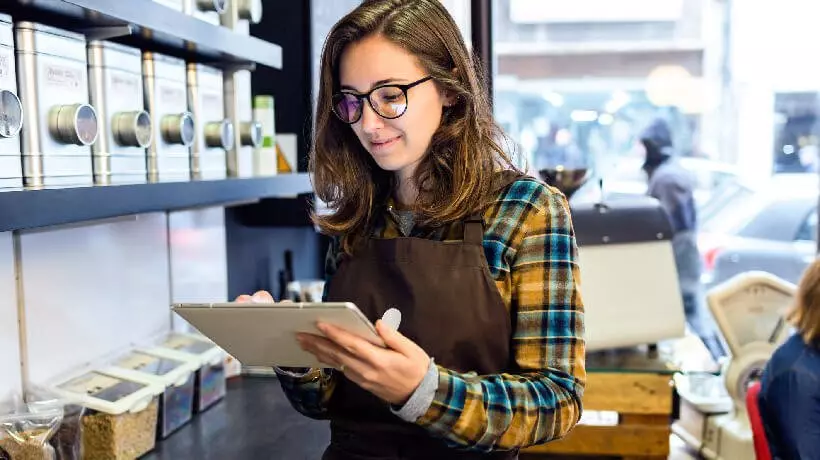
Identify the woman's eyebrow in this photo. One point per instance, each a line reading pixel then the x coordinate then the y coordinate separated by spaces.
pixel 375 84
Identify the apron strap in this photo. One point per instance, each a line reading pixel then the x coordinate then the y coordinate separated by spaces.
pixel 474 229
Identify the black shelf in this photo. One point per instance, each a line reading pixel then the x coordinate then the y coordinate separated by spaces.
pixel 26 209
pixel 151 25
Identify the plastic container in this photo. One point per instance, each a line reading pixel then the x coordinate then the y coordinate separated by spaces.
pixel 176 406
pixel 121 418
pixel 210 376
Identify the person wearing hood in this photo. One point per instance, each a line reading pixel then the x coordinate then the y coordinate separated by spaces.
pixel 673 186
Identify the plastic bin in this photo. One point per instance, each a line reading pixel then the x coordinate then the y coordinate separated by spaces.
pixel 176 406
pixel 121 420
pixel 210 377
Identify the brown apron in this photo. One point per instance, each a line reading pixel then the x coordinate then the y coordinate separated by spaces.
pixel 450 306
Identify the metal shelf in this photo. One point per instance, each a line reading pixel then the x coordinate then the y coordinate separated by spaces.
pixel 148 24
pixel 26 209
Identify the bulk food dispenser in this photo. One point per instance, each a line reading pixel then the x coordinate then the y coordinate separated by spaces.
pixel 214 133
pixel 59 125
pixel 11 111
pixel 173 127
pixel 115 74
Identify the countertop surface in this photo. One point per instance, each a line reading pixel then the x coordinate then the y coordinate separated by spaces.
pixel 253 421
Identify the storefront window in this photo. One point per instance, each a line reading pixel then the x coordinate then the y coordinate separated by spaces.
pixel 576 82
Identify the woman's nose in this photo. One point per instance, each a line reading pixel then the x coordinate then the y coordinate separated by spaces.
pixel 371 121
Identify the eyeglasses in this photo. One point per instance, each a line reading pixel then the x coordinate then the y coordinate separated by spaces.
pixel 389 101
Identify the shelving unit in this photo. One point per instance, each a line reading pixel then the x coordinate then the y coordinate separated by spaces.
pixel 148 25
pixel 26 209
pixel 145 23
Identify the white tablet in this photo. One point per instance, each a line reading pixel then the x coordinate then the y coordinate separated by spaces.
pixel 264 334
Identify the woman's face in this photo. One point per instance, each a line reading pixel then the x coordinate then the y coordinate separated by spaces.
pixel 397 144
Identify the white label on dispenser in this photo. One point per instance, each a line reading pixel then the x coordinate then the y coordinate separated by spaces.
pixel 5 64
pixel 124 83
pixel 212 103
pixel 64 77
pixel 172 96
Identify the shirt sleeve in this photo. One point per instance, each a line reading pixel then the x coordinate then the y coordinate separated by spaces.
pixel 309 390
pixel 542 401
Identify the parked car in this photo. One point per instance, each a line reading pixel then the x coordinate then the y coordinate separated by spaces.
pixel 771 227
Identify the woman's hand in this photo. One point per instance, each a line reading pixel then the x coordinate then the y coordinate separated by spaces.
pixel 391 373
pixel 258 297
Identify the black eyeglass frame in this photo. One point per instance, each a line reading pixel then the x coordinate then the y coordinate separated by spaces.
pixel 404 88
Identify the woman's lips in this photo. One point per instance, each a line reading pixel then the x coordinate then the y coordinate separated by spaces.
pixel 382 146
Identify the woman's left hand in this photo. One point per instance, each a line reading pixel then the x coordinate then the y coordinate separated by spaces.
pixel 392 373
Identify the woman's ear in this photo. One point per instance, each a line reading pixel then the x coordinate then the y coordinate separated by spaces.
pixel 449 97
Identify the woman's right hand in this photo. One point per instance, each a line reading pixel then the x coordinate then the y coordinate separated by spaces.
pixel 257 297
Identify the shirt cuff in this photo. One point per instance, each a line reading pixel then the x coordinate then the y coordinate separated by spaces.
pixel 297 372
pixel 422 398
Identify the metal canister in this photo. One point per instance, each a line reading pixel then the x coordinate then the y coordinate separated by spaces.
pixel 177 5
pixel 215 133
pixel 239 108
pixel 206 10
pixel 238 95
pixel 173 130
pixel 115 77
pixel 11 111
pixel 59 124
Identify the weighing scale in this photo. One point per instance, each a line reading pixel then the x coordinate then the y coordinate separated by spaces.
pixel 750 311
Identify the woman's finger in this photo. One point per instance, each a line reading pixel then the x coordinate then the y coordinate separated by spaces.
pixel 262 297
pixel 351 343
pixel 332 354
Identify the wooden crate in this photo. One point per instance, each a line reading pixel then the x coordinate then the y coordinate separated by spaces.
pixel 643 402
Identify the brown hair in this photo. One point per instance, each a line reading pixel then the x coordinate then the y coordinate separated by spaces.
pixel 455 177
pixel 805 316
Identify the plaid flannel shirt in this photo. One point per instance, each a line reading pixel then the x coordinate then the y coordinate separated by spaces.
pixel 529 243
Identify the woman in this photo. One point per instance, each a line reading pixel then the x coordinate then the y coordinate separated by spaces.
pixel 431 219
pixel 790 387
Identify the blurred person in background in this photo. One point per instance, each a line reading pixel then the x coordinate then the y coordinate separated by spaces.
pixel 673 186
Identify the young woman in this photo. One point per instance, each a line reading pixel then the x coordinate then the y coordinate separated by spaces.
pixel 431 218
pixel 790 388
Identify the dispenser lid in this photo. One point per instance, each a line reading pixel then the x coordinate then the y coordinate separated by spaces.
pixel 750 308
pixel 144 366
pixel 5 18
pixel 103 392
pixel 205 351
pixel 37 27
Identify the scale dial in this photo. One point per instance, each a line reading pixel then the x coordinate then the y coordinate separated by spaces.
pixel 750 308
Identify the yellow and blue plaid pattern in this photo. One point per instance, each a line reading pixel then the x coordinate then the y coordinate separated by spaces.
pixel 530 247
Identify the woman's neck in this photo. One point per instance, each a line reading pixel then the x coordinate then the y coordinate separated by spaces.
pixel 406 191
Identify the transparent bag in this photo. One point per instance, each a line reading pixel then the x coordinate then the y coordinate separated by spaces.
pixel 25 429
pixel 67 439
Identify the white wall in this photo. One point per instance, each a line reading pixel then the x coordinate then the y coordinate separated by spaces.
pixel 199 260
pixel 10 378
pixel 92 290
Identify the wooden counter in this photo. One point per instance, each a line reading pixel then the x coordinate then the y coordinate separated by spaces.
pixel 629 402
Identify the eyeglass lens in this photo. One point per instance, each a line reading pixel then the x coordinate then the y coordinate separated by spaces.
pixel 387 101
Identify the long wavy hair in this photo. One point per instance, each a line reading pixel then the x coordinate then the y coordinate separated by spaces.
pixel 456 176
